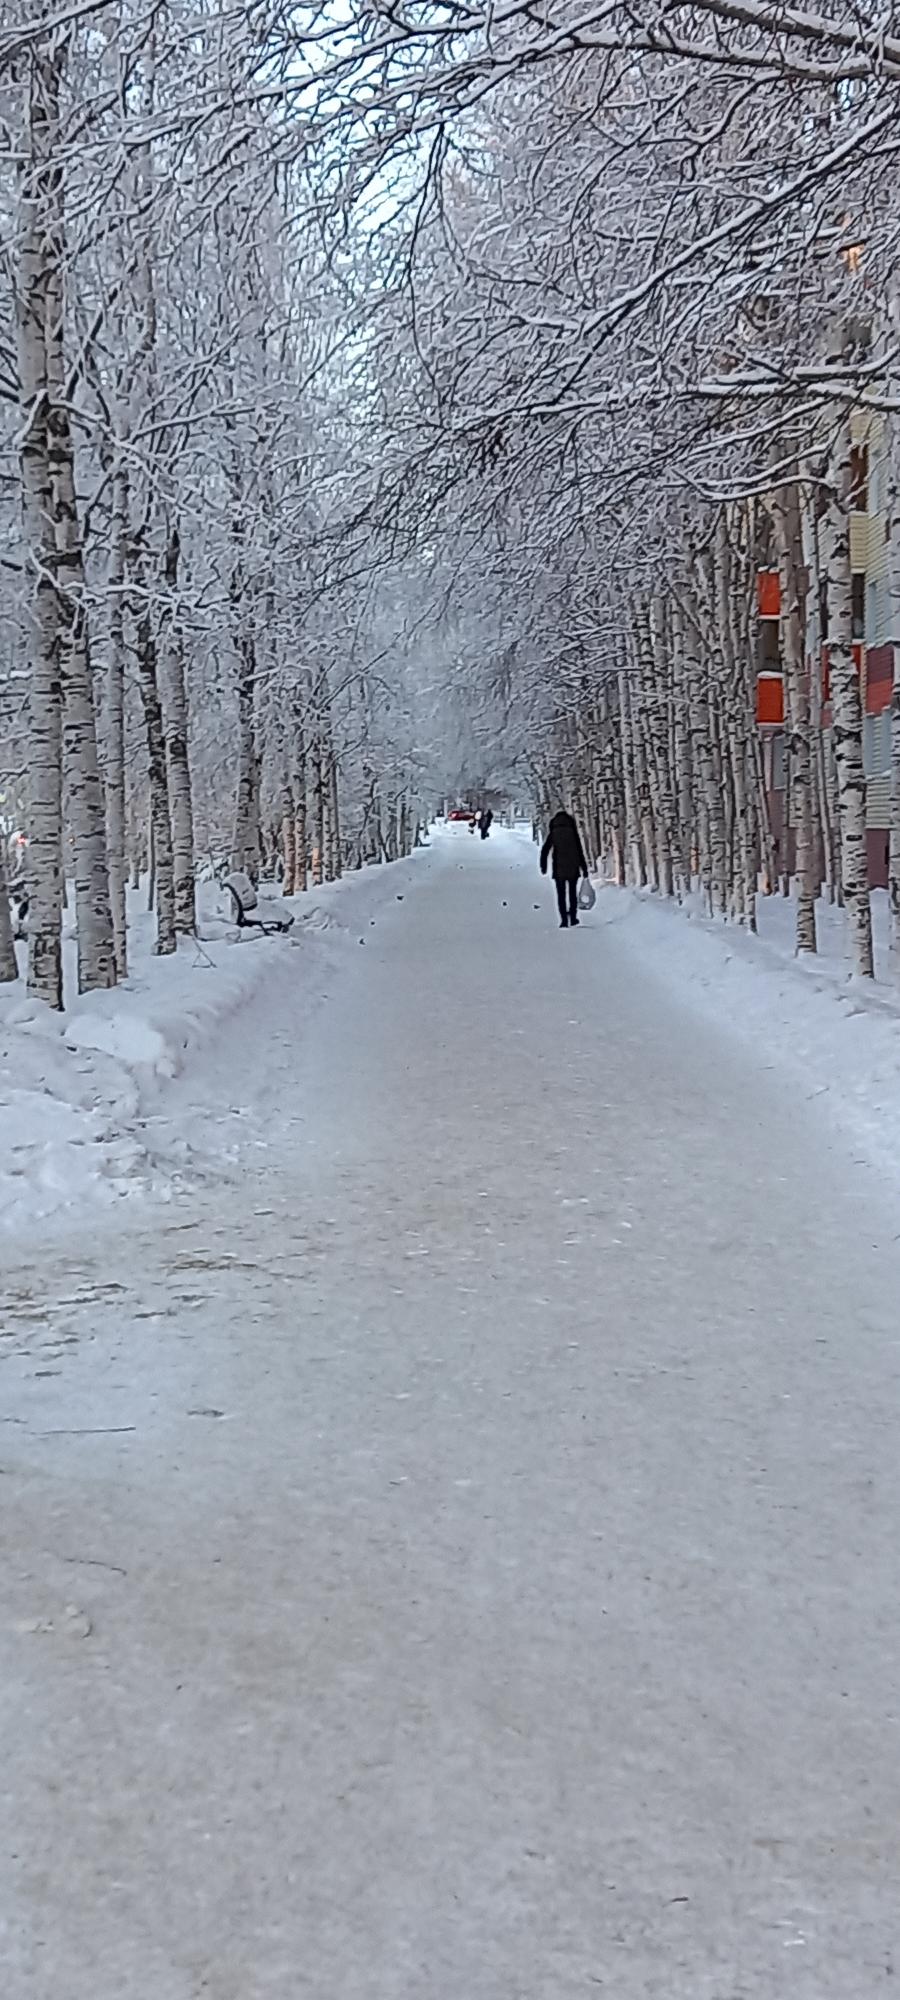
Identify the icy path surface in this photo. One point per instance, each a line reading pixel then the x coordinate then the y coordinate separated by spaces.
pixel 457 1558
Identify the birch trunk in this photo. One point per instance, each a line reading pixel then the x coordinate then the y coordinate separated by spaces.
pixel 245 845
pixel 846 705
pixel 684 776
pixel 328 861
pixel 712 846
pixel 786 521
pixel 301 834
pixel 894 864
pixel 318 859
pixel 162 863
pixel 894 586
pixel 45 689
pixel 722 673
pixel 632 833
pixel 335 797
pixel 115 720
pixel 175 724
pixel 86 799
pixel 821 744
pixel 717 813
pixel 697 702
pixel 642 786
pixel 672 872
pixel 288 838
pixel 652 726
pixel 9 968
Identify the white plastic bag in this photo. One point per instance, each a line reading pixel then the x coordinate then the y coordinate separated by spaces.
pixel 586 895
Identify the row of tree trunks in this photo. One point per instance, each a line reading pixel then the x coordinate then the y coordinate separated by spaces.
pixel 308 791
pixel 683 799
pixel 8 965
pixel 65 762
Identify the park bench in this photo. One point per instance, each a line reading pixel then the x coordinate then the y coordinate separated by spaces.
pixel 244 900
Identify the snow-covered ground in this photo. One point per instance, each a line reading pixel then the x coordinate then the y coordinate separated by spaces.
pixel 76 1089
pixel 825 1033
pixel 451 1546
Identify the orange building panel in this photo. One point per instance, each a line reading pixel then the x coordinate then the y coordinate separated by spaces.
pixel 768 593
pixel 878 697
pixel 770 698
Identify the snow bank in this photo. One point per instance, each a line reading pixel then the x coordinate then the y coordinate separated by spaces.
pixel 837 1036
pixel 72 1084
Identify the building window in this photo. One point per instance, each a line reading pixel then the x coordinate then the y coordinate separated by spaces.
pixel 768 649
pixel 874 484
pixel 877 744
pixel 871 632
pixel 858 605
pixel 871 746
pixel 859 478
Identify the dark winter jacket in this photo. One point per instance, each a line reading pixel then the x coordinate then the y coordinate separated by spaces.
pixel 563 843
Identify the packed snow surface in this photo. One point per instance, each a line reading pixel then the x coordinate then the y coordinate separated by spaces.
pixel 452 1542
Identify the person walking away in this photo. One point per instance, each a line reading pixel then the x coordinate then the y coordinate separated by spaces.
pixel 563 849
pixel 486 820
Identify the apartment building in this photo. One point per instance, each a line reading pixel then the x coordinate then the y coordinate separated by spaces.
pixel 875 616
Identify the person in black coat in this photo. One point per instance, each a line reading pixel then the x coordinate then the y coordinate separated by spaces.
pixel 563 849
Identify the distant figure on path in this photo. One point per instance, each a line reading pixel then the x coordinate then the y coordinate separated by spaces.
pixel 485 823
pixel 563 843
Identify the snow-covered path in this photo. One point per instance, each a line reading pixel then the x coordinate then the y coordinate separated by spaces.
pixel 457 1558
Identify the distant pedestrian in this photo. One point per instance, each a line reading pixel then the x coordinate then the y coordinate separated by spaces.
pixel 563 849
pixel 486 821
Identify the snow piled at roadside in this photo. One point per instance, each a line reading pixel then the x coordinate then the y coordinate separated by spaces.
pixel 72 1084
pixel 836 1036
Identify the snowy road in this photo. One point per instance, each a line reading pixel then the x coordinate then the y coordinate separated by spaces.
pixel 459 1560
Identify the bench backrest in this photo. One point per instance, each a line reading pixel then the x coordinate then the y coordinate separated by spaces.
pixel 241 888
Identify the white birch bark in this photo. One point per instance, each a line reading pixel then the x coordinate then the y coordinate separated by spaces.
pixel 45 687
pixel 288 836
pixel 632 830
pixel 744 734
pixel 318 795
pixel 84 783
pixel 671 869
pixel 617 811
pixel 786 521
pixel 175 724
pixel 846 703
pixel 706 802
pixel 9 969
pixel 115 718
pixel 684 775
pixel 643 795
pixel 162 864
pixel 893 503
pixel 299 778
pixel 245 846
pixel 334 800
